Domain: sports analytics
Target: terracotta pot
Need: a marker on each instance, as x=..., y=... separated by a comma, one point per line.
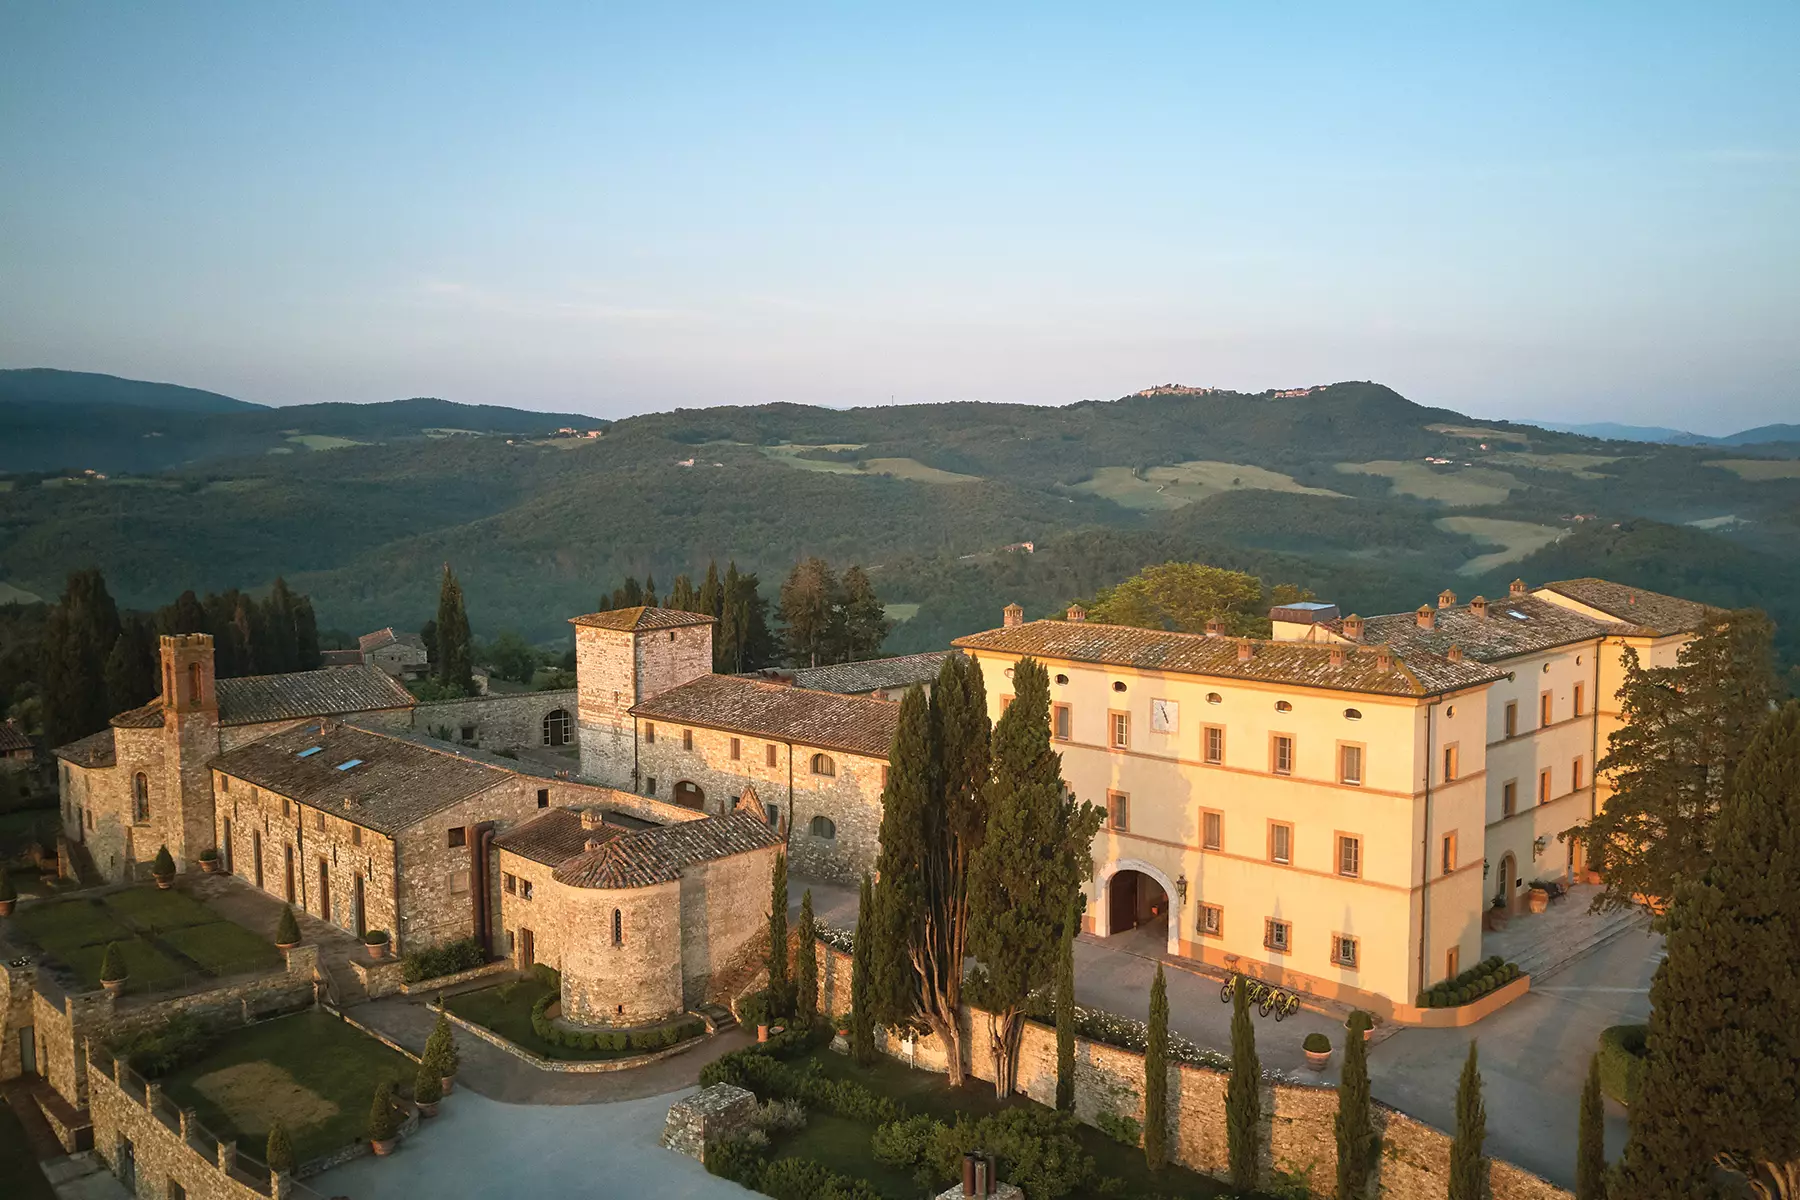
x=429, y=1110
x=762, y=1033
x=1316, y=1059
x=383, y=1147
x=286, y=945
x=1537, y=900
x=6, y=907
x=210, y=865
x=449, y=1082
x=115, y=986
x=165, y=882
x=1590, y=877
x=376, y=949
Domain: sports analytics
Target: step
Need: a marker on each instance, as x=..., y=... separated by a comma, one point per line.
x=717, y=1017
x=1545, y=961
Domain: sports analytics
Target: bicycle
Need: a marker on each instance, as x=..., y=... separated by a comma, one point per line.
x=1267, y=999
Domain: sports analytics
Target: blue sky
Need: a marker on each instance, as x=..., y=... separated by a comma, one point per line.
x=1575, y=212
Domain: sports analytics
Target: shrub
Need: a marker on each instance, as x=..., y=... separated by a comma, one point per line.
x=112, y=966
x=1622, y=1052
x=163, y=863
x=1318, y=1043
x=279, y=1152
x=463, y=955
x=210, y=854
x=806, y=1179
x=176, y=1042
x=1037, y=1147
x=912, y=1143
x=780, y=1116
x=428, y=1085
x=1118, y=1127
x=287, y=930
x=383, y=1122
x=1422, y=1000
x=440, y=1048
x=754, y=1009
x=375, y=937
x=738, y=1159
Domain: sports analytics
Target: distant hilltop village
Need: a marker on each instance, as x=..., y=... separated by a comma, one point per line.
x=1182, y=389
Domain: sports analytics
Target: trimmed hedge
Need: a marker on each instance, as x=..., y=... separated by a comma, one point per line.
x=448, y=959
x=1485, y=976
x=747, y=1163
x=762, y=1069
x=1622, y=1053
x=659, y=1037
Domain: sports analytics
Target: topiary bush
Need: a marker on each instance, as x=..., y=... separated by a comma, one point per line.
x=1318, y=1043
x=440, y=1048
x=163, y=864
x=1622, y=1052
x=112, y=966
x=428, y=1085
x=279, y=1151
x=384, y=1122
x=287, y=929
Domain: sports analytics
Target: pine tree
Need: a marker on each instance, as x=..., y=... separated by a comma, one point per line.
x=280, y=653
x=1156, y=1076
x=79, y=636
x=131, y=667
x=1243, y=1095
x=1065, y=1010
x=809, y=614
x=455, y=667
x=862, y=1010
x=864, y=621
x=806, y=965
x=780, y=991
x=650, y=591
x=1030, y=863
x=1355, y=1133
x=1722, y=1077
x=1468, y=1167
x=1590, y=1151
x=279, y=1150
x=710, y=591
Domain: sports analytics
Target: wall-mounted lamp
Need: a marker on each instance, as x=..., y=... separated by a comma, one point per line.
x=1538, y=847
x=1181, y=889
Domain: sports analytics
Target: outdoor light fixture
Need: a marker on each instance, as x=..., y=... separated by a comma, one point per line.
x=1181, y=888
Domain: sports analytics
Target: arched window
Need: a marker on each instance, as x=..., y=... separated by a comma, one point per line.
x=1214, y=698
x=822, y=765
x=823, y=827
x=556, y=727
x=690, y=795
x=140, y=797
x=618, y=928
x=1283, y=706
x=1353, y=714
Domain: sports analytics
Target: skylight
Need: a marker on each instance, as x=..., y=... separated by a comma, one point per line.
x=348, y=763
x=309, y=752
x=1517, y=616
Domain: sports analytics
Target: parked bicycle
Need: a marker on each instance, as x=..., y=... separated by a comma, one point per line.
x=1266, y=998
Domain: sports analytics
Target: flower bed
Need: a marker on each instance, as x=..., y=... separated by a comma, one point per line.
x=1127, y=1033
x=1485, y=976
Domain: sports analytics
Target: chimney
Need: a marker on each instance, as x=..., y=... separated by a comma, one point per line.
x=1353, y=627
x=1012, y=615
x=1454, y=654
x=1518, y=587
x=1077, y=613
x=1215, y=628
x=1631, y=597
x=592, y=818
x=1337, y=656
x=1446, y=598
x=1478, y=606
x=1246, y=651
x=1384, y=659
x=1426, y=618
x=591, y=844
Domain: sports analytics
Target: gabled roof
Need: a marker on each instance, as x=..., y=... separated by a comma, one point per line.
x=636, y=620
x=1651, y=611
x=1299, y=664
x=333, y=691
x=12, y=738
x=1513, y=626
x=657, y=855
x=382, y=638
x=853, y=678
x=855, y=724
x=94, y=750
x=556, y=836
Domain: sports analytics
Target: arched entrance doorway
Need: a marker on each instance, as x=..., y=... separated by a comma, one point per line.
x=1503, y=881
x=1136, y=901
x=690, y=795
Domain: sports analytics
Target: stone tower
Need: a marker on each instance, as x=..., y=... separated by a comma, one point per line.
x=623, y=658
x=190, y=742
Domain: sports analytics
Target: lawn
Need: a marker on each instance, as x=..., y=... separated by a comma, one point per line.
x=165, y=936
x=1513, y=540
x=506, y=1009
x=312, y=1071
x=1183, y=483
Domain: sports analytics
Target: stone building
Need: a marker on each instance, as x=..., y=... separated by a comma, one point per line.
x=401, y=655
x=876, y=678
x=16, y=752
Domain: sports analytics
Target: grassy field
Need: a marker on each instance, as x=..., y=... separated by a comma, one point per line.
x=1581, y=466
x=311, y=1071
x=12, y=594
x=1183, y=483
x=1481, y=433
x=900, y=612
x=164, y=935
x=1759, y=470
x=1459, y=487
x=899, y=468
x=323, y=441
x=509, y=1015
x=1513, y=540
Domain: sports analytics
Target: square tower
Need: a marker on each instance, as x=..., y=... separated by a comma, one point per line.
x=623, y=658
x=190, y=704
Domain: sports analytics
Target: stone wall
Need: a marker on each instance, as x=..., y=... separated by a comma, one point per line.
x=128, y=1120
x=503, y=721
x=1298, y=1120
x=633, y=981
x=431, y=909
x=724, y=921
x=15, y=1014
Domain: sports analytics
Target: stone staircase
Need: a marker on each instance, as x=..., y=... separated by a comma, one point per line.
x=718, y=1018
x=1575, y=938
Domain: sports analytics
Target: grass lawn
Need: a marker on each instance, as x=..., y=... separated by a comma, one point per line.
x=224, y=949
x=20, y=1178
x=510, y=1017
x=163, y=909
x=312, y=1071
x=164, y=935
x=68, y=925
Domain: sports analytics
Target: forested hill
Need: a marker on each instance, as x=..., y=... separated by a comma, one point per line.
x=43, y=385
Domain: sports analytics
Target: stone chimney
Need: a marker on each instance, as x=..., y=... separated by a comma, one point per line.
x=1337, y=656
x=1246, y=651
x=1446, y=598
x=1384, y=659
x=592, y=818
x=1077, y=613
x=1426, y=618
x=1215, y=627
x=1478, y=606
x=591, y=844
x=1012, y=615
x=1518, y=587
x=1454, y=654
x=1353, y=627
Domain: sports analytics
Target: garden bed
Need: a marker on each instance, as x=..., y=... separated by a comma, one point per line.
x=167, y=938
x=509, y=1011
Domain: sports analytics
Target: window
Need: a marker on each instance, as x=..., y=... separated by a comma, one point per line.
x=224, y=783
x=1509, y=797
x=1546, y=706
x=1452, y=761
x=140, y=797
x=284, y=806
x=618, y=928
x=1277, y=935
x=510, y=883
x=1283, y=706
x=1121, y=729
x=1575, y=775
x=1449, y=854
x=1453, y=962
x=822, y=765
x=1212, y=744
x=1118, y=811
x=1281, y=843
x=687, y=739
x=175, y=1191
x=457, y=837
x=525, y=889
x=823, y=827
x=1544, y=786
x=356, y=835
x=1580, y=698
x=543, y=797
x=1343, y=950
x=649, y=733
x=771, y=755
x=737, y=749
x=1214, y=698
x=1005, y=703
x=557, y=727
x=1349, y=856
x=1118, y=685
x=468, y=733
x=1210, y=922
x=1350, y=765
x=1281, y=754
x=319, y=821
x=1512, y=718
x=194, y=690
x=1059, y=722
x=349, y=763
x=650, y=786
x=1212, y=830
x=459, y=882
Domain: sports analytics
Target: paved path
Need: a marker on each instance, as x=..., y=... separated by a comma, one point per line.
x=477, y=1147
x=239, y=902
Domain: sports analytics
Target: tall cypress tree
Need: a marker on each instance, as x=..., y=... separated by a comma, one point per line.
x=186, y=615
x=1065, y=1009
x=1722, y=1077
x=455, y=668
x=862, y=1004
x=650, y=591
x=306, y=636
x=710, y=591
x=728, y=637
x=806, y=965
x=1355, y=1133
x=131, y=667
x=1156, y=1076
x=681, y=595
x=779, y=990
x=1243, y=1095
x=79, y=636
x=1468, y=1166
x=1590, y=1149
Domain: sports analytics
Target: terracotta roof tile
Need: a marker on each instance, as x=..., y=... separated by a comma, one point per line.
x=144, y=716
x=1652, y=611
x=382, y=638
x=1513, y=626
x=558, y=835
x=657, y=855
x=333, y=691
x=854, y=724
x=94, y=750
x=633, y=620
x=12, y=738
x=853, y=678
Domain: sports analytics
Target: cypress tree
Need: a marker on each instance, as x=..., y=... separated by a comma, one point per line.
x=1156, y=1076
x=864, y=622
x=1722, y=1077
x=862, y=1015
x=808, y=614
x=1065, y=1010
x=131, y=667
x=278, y=1152
x=306, y=636
x=650, y=591
x=633, y=595
x=1243, y=1095
x=780, y=992
x=806, y=965
x=1590, y=1152
x=681, y=595
x=897, y=914
x=1468, y=1167
x=79, y=636
x=455, y=668
x=728, y=638
x=1355, y=1134
x=710, y=592
x=186, y=615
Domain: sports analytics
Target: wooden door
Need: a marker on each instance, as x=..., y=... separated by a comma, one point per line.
x=362, y=920
x=527, y=950
x=288, y=858
x=324, y=890
x=256, y=855
x=225, y=850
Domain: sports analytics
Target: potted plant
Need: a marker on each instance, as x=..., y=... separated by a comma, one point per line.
x=9, y=895
x=209, y=860
x=840, y=1029
x=383, y=1124
x=287, y=930
x=1496, y=915
x=440, y=1051
x=1363, y=1019
x=1537, y=899
x=375, y=941
x=279, y=1152
x=754, y=1010
x=428, y=1088
x=162, y=868
x=112, y=969
x=1318, y=1050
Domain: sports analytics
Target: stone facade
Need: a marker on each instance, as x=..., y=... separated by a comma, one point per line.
x=633, y=978
x=153, y=1147
x=706, y=1118
x=616, y=669
x=506, y=721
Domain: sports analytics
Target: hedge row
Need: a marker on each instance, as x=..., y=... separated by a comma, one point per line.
x=448, y=959
x=761, y=1069
x=1472, y=984
x=657, y=1038
x=749, y=1165
x=1622, y=1051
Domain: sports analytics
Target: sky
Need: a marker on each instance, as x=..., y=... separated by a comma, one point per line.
x=1564, y=212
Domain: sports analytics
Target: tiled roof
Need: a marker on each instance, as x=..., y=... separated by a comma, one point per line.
x=657, y=855
x=851, y=723
x=144, y=716
x=1301, y=664
x=396, y=782
x=340, y=658
x=1513, y=626
x=516, y=766
x=554, y=837
x=1652, y=611
x=635, y=620
x=381, y=638
x=12, y=738
x=333, y=691
x=854, y=678
x=94, y=750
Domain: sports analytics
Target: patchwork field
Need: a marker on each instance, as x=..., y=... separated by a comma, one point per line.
x=900, y=612
x=323, y=441
x=898, y=468
x=1581, y=466
x=1759, y=470
x=1183, y=483
x=1481, y=433
x=1513, y=539
x=165, y=937
x=1459, y=487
